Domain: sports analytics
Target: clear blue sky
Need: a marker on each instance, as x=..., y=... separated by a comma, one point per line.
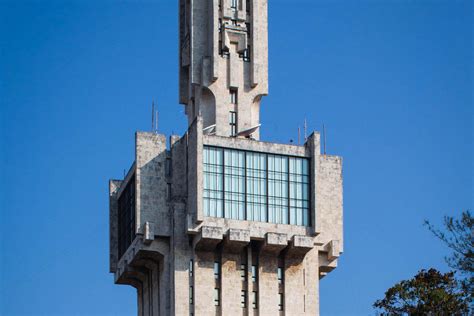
x=392, y=81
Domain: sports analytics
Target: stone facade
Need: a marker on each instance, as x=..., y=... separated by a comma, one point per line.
x=163, y=241
x=224, y=51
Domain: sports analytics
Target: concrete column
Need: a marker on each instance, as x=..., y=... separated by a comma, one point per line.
x=268, y=285
x=231, y=284
x=294, y=303
x=204, y=284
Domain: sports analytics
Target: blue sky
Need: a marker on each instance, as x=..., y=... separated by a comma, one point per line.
x=391, y=80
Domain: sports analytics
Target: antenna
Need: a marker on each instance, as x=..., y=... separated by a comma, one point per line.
x=305, y=130
x=299, y=134
x=154, y=118
x=152, y=115
x=324, y=137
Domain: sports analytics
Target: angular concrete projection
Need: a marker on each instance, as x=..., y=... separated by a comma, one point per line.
x=219, y=222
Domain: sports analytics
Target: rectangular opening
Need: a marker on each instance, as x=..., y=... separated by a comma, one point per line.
x=126, y=217
x=233, y=123
x=254, y=186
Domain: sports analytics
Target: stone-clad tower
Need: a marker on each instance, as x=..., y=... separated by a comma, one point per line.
x=220, y=223
x=224, y=63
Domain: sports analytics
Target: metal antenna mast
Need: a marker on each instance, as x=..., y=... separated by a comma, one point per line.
x=156, y=121
x=299, y=135
x=324, y=136
x=152, y=115
x=305, y=130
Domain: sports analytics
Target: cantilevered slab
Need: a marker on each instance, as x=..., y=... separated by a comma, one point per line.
x=300, y=245
x=236, y=240
x=208, y=238
x=274, y=243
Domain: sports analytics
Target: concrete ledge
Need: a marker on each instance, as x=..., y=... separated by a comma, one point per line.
x=149, y=233
x=236, y=240
x=325, y=264
x=300, y=246
x=334, y=249
x=208, y=238
x=274, y=243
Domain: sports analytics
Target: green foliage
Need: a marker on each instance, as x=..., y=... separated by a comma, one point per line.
x=428, y=293
x=459, y=237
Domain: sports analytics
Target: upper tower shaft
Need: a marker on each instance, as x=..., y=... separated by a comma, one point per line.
x=224, y=63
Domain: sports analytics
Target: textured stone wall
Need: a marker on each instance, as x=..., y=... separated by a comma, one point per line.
x=151, y=185
x=206, y=76
x=329, y=201
x=162, y=276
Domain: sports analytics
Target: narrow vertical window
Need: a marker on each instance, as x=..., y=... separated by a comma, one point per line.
x=233, y=96
x=217, y=280
x=254, y=274
x=191, y=286
x=243, y=272
x=280, y=301
x=246, y=54
x=233, y=4
x=281, y=283
x=217, y=270
x=217, y=297
x=243, y=299
x=254, y=300
x=233, y=123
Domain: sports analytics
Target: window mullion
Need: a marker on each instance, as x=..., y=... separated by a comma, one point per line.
x=223, y=183
x=289, y=188
x=245, y=186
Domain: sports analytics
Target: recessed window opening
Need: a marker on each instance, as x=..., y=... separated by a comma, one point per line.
x=233, y=123
x=243, y=272
x=256, y=186
x=126, y=217
x=254, y=300
x=233, y=96
x=254, y=273
x=243, y=299
x=217, y=270
x=280, y=301
x=217, y=297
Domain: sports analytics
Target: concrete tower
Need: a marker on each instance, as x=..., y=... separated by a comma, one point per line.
x=224, y=64
x=219, y=222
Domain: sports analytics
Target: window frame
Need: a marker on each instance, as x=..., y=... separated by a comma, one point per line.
x=287, y=188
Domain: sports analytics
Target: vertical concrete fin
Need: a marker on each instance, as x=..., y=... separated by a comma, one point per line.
x=330, y=202
x=151, y=186
x=313, y=150
x=195, y=175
